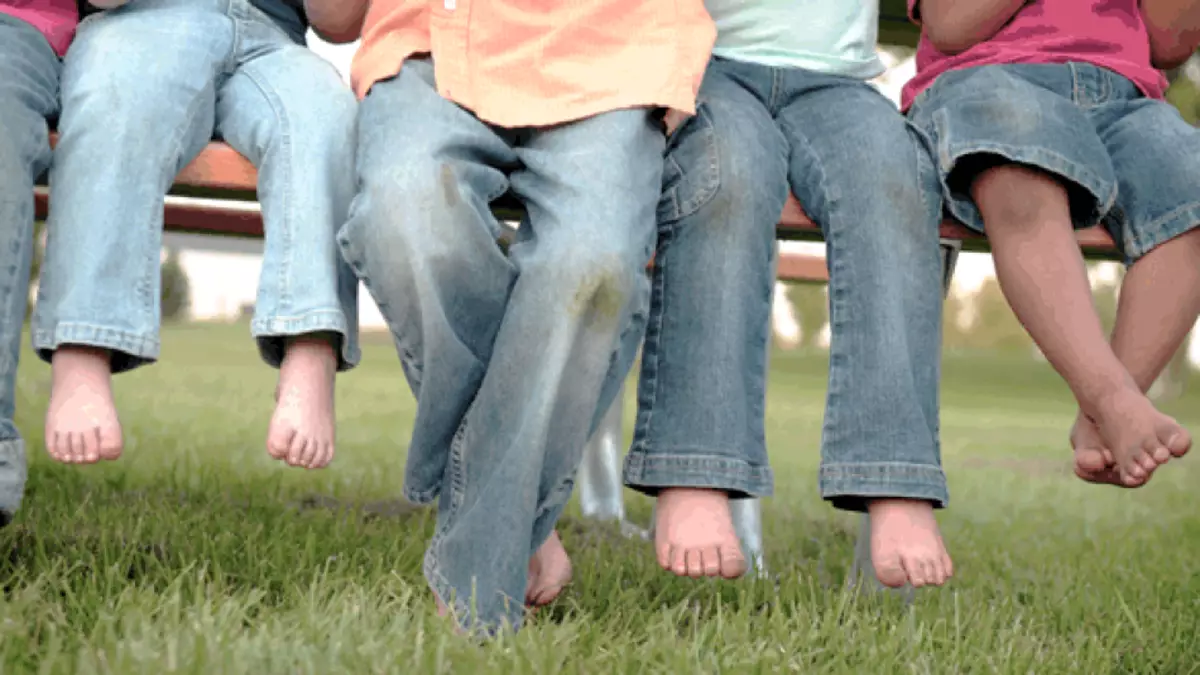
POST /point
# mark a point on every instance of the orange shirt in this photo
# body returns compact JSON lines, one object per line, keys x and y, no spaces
{"x":523,"y":63}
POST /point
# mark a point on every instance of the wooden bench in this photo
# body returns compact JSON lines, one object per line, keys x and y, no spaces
{"x":215,"y":194}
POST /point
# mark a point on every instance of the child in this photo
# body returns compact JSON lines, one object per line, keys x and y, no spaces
{"x":33,"y":37}
{"x":785,"y":105}
{"x":1047,"y":115}
{"x":506,"y":354}
{"x":144,"y":88}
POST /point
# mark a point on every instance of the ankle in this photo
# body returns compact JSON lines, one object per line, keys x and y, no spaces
{"x":70,"y":359}
{"x":318,"y":347}
{"x":893,"y":504}
{"x":692,"y":493}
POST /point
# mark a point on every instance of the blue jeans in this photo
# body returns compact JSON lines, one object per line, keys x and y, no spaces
{"x":144,"y":88}
{"x":29,"y":71}
{"x":506,"y":354}
{"x":850,"y":158}
{"x":1129,"y":162}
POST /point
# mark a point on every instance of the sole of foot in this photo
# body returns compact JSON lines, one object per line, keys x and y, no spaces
{"x":694,"y":534}
{"x":549,"y":572}
{"x":302,"y":429}
{"x":82,"y":426}
{"x":1133,"y":433}
{"x":906,"y":545}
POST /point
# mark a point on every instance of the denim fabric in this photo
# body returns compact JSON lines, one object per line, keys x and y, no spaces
{"x":144,"y":88}
{"x":1129,"y":162}
{"x":29,"y":72}
{"x":852,"y":160}
{"x":506,"y":354}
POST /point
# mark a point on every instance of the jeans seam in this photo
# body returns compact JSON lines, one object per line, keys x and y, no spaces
{"x":800,"y":144}
{"x":648,"y":381}
{"x":283,"y":137}
{"x":1147,"y":238}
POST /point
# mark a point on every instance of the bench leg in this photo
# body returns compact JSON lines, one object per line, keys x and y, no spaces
{"x":601,"y":492}
{"x":747,"y":521}
{"x":863,"y":570}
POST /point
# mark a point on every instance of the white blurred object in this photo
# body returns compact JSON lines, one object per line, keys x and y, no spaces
{"x":788,"y":331}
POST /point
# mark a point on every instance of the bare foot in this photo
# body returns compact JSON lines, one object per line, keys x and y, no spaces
{"x":81,"y":424}
{"x":1093,"y":462}
{"x":1139,"y":437}
{"x":302,"y":428}
{"x":549,"y":572}
{"x":694,"y":535}
{"x":906,"y":546}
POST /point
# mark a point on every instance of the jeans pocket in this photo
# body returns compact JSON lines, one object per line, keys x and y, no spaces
{"x":691,"y":171}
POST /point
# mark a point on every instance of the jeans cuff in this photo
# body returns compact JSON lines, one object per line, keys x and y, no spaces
{"x":1136,"y":242}
{"x":850,"y":486}
{"x":129,"y":350}
{"x":13,"y":473}
{"x":649,"y":472}
{"x":463,"y":608}
{"x":269,"y":333}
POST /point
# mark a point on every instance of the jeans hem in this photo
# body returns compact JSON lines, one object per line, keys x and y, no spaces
{"x":130,"y":350}
{"x":650,"y":472}
{"x":850,"y":486}
{"x":268,"y":332}
{"x":13,"y":475}
{"x":461,"y":609}
{"x":1141,"y":240}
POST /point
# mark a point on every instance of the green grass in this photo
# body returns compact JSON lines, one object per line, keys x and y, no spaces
{"x":195,"y":553}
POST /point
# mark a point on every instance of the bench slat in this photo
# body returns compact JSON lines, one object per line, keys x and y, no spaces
{"x":220,"y":167}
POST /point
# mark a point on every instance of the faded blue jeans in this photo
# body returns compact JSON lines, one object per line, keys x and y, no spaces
{"x":506,"y":354}
{"x":852,"y":161}
{"x":144,"y":89}
{"x":29,"y":71}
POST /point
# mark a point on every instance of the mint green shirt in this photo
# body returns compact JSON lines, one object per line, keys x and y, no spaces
{"x":836,"y":37}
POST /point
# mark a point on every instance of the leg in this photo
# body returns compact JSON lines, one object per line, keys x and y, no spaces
{"x":700,"y":436}
{"x":422,"y":238}
{"x":856,"y":167}
{"x":128,"y":125}
{"x":1021,"y":157}
{"x":863,"y":568}
{"x":513,"y":461}
{"x":1154,"y":153}
{"x":29,"y":72}
{"x":288,"y":110}
{"x":1029,"y":229}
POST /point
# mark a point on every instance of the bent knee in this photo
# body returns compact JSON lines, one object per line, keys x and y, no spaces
{"x":587,"y":275}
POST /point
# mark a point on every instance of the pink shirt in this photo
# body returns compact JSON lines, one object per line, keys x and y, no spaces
{"x":1106,"y":33}
{"x":56,"y":19}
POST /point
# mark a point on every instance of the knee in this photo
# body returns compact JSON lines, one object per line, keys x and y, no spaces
{"x":587,"y":272}
{"x":394,"y":221}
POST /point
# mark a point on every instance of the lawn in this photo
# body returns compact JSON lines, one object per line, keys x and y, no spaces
{"x":196,"y":553}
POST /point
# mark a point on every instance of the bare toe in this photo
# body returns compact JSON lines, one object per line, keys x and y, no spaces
{"x":890,"y":571}
{"x":733,"y":563}
{"x":1177,"y":440}
{"x":279,"y":440}
{"x":710,"y":558}
{"x":679,"y":561}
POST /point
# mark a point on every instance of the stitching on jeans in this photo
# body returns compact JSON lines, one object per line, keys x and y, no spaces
{"x":283,"y":137}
